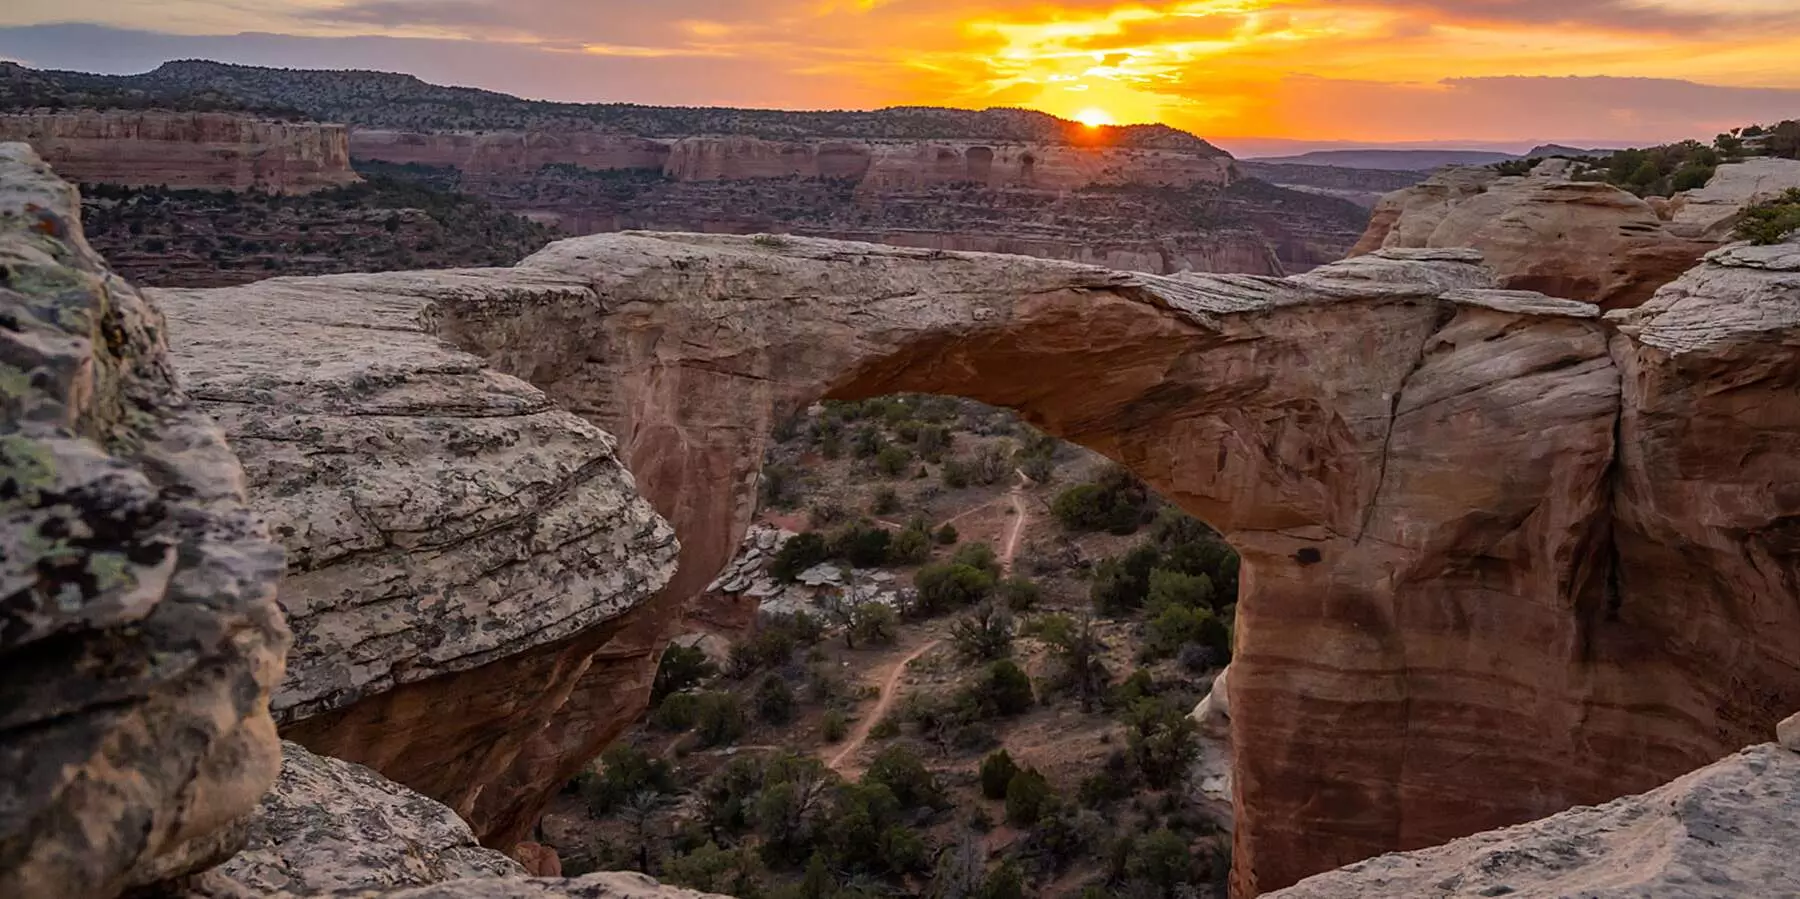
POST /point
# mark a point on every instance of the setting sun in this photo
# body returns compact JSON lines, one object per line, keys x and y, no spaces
{"x":1094,"y":118}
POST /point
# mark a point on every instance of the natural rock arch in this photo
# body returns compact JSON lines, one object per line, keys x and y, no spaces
{"x":1439,"y":631}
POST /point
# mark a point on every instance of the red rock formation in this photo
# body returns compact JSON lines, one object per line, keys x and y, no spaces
{"x":492,"y":152}
{"x":1584,"y":240}
{"x":1465,"y":602}
{"x":211,"y":151}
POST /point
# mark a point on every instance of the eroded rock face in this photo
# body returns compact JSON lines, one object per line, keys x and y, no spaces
{"x":205,"y":150}
{"x":1722,"y":832}
{"x":332,"y":828}
{"x":441,"y":519}
{"x":1439,"y":631}
{"x":139,"y":636}
{"x":1544,"y":232}
{"x":1711,"y":212}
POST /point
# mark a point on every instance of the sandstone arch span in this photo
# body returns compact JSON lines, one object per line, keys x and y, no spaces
{"x":1462,"y":606}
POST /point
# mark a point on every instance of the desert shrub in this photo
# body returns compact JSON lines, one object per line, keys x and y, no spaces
{"x":1028,"y":797}
{"x":626,"y":771}
{"x":1162,"y":861}
{"x":945,"y":587}
{"x":893,"y":461}
{"x":872,"y":624}
{"x":911,"y":546}
{"x":825,"y":514}
{"x":997,"y":771}
{"x":778,"y":487}
{"x":1117,"y":503}
{"x":886,"y":502}
{"x":1769,"y":223}
{"x":867,"y":443}
{"x":1003,"y":690}
{"x":1114,"y":781}
{"x":991,"y":465}
{"x":1137,"y":685}
{"x":802,"y":551}
{"x":681,"y":667}
{"x":956,"y":475}
{"x":985,"y":634}
{"x":947,"y":535}
{"x":904,"y":774}
{"x":1079,"y":655}
{"x":1179,"y":589}
{"x":676,"y":713}
{"x":718,"y":718}
{"x":1121,"y":585}
{"x":835,"y":726}
{"x":774,"y":700}
{"x":1161,"y":741}
{"x":1020,"y":594}
{"x":862,"y":544}
{"x":1177,"y":626}
{"x":885,"y":729}
{"x":772,"y":646}
{"x":708,"y":868}
{"x":933,"y":442}
{"x":1004,"y":882}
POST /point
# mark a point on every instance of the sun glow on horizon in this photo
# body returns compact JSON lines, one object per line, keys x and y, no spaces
{"x":1094,"y":117}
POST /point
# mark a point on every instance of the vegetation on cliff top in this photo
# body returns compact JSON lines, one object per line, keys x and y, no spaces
{"x":1669,"y":169}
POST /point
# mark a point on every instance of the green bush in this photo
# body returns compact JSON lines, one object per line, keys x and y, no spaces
{"x":676,"y":713}
{"x":985,"y":634}
{"x":872,"y":624}
{"x":1162,"y":860}
{"x":1770,"y":223}
{"x":863,"y":544}
{"x":835,"y":726}
{"x":736,"y":872}
{"x":956,"y":475}
{"x":933,"y":443}
{"x":1116,"y":503}
{"x":947,"y":536}
{"x":886,"y":502}
{"x":800,"y":552}
{"x":1121,"y":585}
{"x":1020,"y":594}
{"x":949,"y":586}
{"x":1004,"y":689}
{"x":719,"y":719}
{"x":868,"y":443}
{"x":1028,"y":797}
{"x":772,"y":646}
{"x":904,"y":774}
{"x":774,"y":700}
{"x":977,"y":555}
{"x":1004,"y":882}
{"x":1176,"y":589}
{"x":911,"y":546}
{"x":1161,"y":741}
{"x":626,"y":771}
{"x":681,"y":667}
{"x":893,"y":461}
{"x":997,"y":771}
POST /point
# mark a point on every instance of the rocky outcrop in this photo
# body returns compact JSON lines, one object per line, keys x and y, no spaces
{"x":203,"y":150}
{"x":139,"y":636}
{"x":460,"y":549}
{"x":486,"y":153}
{"x":1544,"y":232}
{"x":1467,"y":603}
{"x":1723,"y":832}
{"x":331,"y":828}
{"x":1711,"y":212}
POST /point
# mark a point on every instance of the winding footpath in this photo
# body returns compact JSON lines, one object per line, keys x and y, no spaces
{"x":890,"y":690}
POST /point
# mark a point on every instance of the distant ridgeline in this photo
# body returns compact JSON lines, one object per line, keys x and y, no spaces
{"x":387,"y":100}
{"x":1142,"y":197}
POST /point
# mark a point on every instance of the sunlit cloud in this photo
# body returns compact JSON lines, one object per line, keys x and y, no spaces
{"x":1358,"y":69}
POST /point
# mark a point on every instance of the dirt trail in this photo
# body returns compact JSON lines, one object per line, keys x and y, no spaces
{"x":890,"y":690}
{"x":1020,"y":518}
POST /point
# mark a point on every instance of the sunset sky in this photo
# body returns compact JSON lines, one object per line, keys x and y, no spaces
{"x":1315,"y":70}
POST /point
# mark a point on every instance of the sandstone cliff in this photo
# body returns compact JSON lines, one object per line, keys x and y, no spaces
{"x":1580,"y":239}
{"x":1723,"y":832}
{"x":139,"y":637}
{"x":1466,"y":602}
{"x":203,"y":150}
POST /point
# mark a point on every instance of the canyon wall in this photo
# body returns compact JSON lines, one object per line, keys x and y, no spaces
{"x":1497,"y":561}
{"x":206,"y":151}
{"x":494,"y":152}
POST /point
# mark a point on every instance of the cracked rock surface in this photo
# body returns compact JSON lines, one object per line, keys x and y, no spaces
{"x":139,"y":635}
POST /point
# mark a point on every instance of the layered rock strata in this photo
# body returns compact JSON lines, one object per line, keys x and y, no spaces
{"x":1723,"y":832}
{"x":1495,"y":562}
{"x":468,"y":563}
{"x":139,"y":635}
{"x":200,"y":150}
{"x":1544,"y":231}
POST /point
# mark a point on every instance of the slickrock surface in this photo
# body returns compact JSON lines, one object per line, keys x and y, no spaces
{"x":1463,"y":605}
{"x":1583,"y":240}
{"x":204,"y":150}
{"x":331,"y":828}
{"x":445,"y":524}
{"x":139,"y":636}
{"x":1727,"y":831}
{"x":1711,"y":212}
